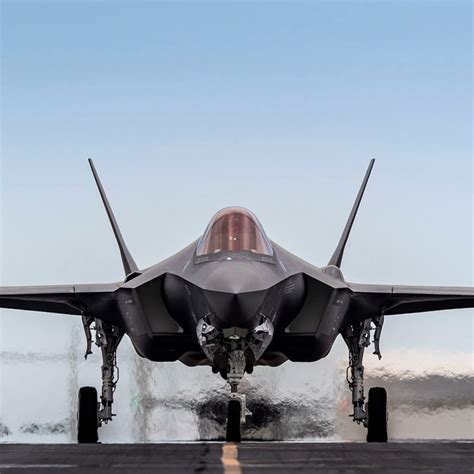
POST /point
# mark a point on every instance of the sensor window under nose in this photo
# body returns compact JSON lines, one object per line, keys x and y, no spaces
{"x":234,"y":229}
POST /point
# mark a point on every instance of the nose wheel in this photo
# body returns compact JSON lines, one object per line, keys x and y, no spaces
{"x":232,"y":352}
{"x":234,"y":410}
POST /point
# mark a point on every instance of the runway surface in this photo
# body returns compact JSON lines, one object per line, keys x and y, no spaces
{"x":232,"y":458}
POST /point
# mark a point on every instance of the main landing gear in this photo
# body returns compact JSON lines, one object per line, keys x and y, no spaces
{"x":373,"y":415}
{"x":87,"y":416}
{"x":91,"y":413}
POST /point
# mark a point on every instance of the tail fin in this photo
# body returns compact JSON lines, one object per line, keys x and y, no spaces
{"x":336,"y":259}
{"x":129,"y":264}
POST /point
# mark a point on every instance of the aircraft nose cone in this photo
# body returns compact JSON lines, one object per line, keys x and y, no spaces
{"x":236,"y":277}
{"x":232,"y":309}
{"x":235,"y":292}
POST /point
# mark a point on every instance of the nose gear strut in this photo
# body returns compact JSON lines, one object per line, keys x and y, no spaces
{"x":232,"y":353}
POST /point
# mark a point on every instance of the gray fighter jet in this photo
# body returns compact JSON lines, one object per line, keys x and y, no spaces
{"x":234,"y":299}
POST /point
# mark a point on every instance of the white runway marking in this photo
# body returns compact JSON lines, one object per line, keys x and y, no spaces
{"x":38,"y":466}
{"x":229,"y":459}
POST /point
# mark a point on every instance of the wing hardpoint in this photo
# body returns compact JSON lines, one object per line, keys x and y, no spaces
{"x":65,"y":299}
{"x":369,"y":300}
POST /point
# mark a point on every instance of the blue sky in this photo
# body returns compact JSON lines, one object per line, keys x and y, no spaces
{"x":122,"y":79}
{"x":188,"y":107}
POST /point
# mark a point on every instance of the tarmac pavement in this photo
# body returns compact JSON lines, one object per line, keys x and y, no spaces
{"x":231,"y":458}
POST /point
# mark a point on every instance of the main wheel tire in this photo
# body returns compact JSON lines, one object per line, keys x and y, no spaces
{"x":233,"y":421}
{"x":87,"y":415}
{"x":377,"y":415}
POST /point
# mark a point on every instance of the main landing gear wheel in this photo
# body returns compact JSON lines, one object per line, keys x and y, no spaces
{"x":377,"y":415}
{"x":87,"y":415}
{"x":233,"y":421}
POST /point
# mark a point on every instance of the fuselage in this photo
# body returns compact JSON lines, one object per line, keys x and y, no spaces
{"x":236,"y":291}
{"x":232,"y":284}
{"x":233,"y":295}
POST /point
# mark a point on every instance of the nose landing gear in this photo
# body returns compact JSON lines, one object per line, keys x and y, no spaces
{"x":232,"y":352}
{"x":236,"y":408}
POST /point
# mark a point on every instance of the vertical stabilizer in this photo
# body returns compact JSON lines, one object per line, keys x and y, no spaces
{"x":336,"y":259}
{"x":129,"y":264}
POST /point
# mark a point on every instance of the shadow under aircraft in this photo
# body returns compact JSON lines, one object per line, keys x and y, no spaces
{"x":231,"y":300}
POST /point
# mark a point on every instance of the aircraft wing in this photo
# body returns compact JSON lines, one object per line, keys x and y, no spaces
{"x":373,"y":300}
{"x":95,"y":299}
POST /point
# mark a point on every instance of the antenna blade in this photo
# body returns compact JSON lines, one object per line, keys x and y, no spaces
{"x":129,"y":264}
{"x":336,"y":259}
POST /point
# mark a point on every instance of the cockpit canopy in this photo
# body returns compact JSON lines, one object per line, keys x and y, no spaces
{"x":234,"y":229}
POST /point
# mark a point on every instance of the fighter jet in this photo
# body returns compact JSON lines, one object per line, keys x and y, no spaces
{"x":233,"y":299}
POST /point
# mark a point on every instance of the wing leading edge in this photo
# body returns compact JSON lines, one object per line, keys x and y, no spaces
{"x":370,"y":300}
{"x":65,"y":299}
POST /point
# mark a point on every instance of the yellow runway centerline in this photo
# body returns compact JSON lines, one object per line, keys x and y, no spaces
{"x":229,"y":459}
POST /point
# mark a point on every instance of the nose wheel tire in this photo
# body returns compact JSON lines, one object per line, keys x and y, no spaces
{"x":377,"y":415}
{"x":233,"y":421}
{"x":87,"y":415}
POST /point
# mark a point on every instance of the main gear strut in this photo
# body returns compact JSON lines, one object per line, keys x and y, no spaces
{"x":107,"y":337}
{"x":357,"y":338}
